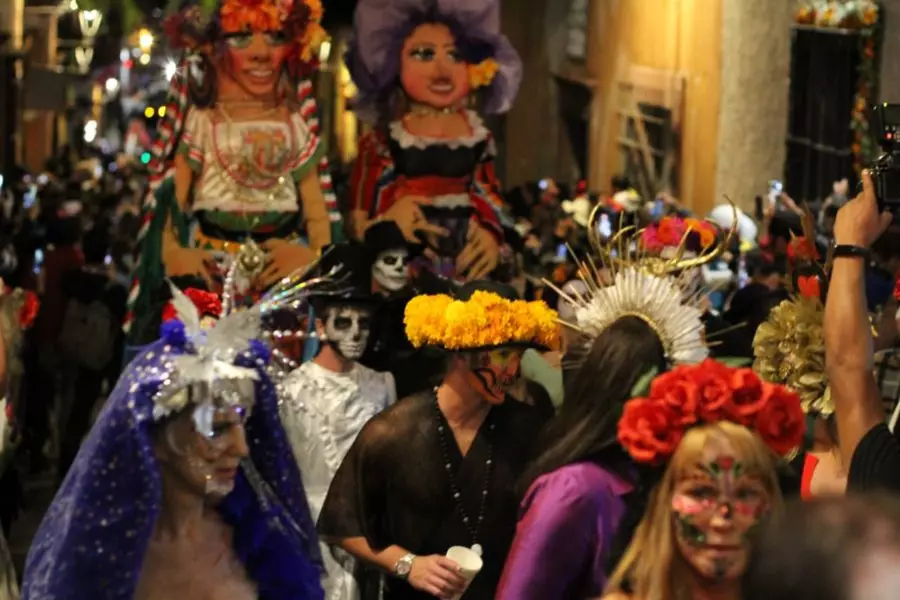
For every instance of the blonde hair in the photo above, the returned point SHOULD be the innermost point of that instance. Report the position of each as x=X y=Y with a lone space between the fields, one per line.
x=650 y=567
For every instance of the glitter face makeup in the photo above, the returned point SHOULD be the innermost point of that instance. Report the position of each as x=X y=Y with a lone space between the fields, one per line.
x=716 y=507
x=207 y=464
x=495 y=372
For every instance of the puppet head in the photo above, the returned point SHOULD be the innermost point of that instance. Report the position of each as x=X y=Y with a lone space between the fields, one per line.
x=439 y=51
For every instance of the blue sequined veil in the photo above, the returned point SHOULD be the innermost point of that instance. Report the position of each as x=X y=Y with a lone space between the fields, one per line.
x=93 y=538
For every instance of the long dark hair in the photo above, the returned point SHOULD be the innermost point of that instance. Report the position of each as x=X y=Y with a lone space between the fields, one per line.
x=585 y=427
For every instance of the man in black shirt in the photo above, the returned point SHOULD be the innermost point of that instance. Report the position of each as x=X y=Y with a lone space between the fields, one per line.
x=866 y=443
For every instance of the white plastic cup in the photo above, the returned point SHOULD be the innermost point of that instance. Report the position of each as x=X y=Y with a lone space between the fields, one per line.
x=469 y=564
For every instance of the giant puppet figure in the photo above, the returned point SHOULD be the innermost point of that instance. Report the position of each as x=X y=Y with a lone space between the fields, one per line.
x=421 y=67
x=237 y=173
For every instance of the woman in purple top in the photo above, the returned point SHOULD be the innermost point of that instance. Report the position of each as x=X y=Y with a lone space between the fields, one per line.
x=574 y=502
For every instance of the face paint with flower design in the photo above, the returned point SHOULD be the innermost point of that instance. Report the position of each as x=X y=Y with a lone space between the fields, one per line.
x=494 y=372
x=716 y=507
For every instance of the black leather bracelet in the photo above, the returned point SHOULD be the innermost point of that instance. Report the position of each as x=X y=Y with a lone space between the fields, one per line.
x=850 y=251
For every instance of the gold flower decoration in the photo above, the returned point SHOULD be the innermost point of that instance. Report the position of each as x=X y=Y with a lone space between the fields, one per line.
x=483 y=73
x=789 y=349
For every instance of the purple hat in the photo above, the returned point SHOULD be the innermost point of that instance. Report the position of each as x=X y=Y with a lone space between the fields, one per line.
x=381 y=26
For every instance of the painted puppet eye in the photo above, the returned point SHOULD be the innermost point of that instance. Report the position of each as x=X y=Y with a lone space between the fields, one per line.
x=240 y=40
x=423 y=54
x=276 y=38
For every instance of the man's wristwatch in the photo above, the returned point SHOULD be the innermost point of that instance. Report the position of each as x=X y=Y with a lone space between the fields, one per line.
x=404 y=566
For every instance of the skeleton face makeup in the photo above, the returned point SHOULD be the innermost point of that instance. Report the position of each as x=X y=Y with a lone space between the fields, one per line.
x=391 y=269
x=347 y=330
x=716 y=507
x=493 y=373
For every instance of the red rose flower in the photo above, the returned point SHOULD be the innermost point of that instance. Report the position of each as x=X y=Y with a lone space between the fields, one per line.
x=714 y=381
x=803 y=249
x=747 y=396
x=208 y=304
x=683 y=397
x=810 y=287
x=647 y=430
x=780 y=422
x=28 y=312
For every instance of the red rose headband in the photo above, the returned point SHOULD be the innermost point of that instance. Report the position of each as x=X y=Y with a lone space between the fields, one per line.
x=652 y=426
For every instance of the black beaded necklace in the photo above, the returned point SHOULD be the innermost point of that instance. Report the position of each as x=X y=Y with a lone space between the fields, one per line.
x=474 y=528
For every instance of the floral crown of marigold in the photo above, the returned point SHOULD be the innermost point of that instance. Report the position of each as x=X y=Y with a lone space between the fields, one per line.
x=486 y=320
x=653 y=424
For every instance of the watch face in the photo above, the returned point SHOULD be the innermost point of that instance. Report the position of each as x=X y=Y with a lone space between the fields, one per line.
x=403 y=567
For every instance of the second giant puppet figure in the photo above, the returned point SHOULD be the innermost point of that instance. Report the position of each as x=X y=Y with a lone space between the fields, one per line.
x=428 y=161
x=237 y=171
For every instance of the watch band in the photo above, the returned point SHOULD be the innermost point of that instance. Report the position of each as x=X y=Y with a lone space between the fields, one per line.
x=850 y=251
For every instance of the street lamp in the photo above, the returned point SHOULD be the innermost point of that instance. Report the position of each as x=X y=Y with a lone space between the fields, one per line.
x=145 y=40
x=90 y=21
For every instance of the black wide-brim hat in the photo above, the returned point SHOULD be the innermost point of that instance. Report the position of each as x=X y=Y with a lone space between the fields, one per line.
x=386 y=235
x=349 y=265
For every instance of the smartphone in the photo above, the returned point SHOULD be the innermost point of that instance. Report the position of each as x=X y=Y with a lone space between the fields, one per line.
x=30 y=196
x=775 y=190
x=2 y=180
x=562 y=251
x=38 y=261
x=604 y=226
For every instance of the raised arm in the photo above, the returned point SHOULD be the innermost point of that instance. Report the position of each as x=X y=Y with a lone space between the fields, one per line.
x=848 y=338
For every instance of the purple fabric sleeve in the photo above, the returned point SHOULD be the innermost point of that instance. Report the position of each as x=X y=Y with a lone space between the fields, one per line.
x=554 y=539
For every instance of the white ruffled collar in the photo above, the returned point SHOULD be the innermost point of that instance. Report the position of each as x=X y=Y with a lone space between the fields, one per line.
x=406 y=140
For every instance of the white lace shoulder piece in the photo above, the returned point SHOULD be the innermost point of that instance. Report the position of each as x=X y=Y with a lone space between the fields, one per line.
x=407 y=140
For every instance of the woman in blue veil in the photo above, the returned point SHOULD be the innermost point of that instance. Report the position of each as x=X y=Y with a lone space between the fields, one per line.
x=188 y=442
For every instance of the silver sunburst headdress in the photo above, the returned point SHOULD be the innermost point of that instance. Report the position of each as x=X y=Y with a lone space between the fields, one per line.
x=626 y=278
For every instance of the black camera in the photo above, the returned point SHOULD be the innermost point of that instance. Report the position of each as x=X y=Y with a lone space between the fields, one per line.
x=885 y=124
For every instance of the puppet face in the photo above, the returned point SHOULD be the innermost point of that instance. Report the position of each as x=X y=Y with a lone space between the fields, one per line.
x=494 y=372
x=716 y=507
x=390 y=270
x=255 y=61
x=432 y=72
x=347 y=330
x=205 y=465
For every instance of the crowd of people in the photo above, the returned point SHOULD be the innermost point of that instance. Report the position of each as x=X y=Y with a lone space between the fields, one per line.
x=250 y=377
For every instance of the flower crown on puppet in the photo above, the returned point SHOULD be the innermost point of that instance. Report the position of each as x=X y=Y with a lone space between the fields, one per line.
x=653 y=424
x=299 y=20
x=789 y=347
x=484 y=321
x=641 y=283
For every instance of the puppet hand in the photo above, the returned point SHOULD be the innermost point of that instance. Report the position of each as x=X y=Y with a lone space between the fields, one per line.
x=283 y=259
x=406 y=212
x=481 y=254
x=193 y=262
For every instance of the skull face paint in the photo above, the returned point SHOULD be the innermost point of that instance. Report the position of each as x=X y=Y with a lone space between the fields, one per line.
x=716 y=507
x=347 y=330
x=390 y=270
x=494 y=372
